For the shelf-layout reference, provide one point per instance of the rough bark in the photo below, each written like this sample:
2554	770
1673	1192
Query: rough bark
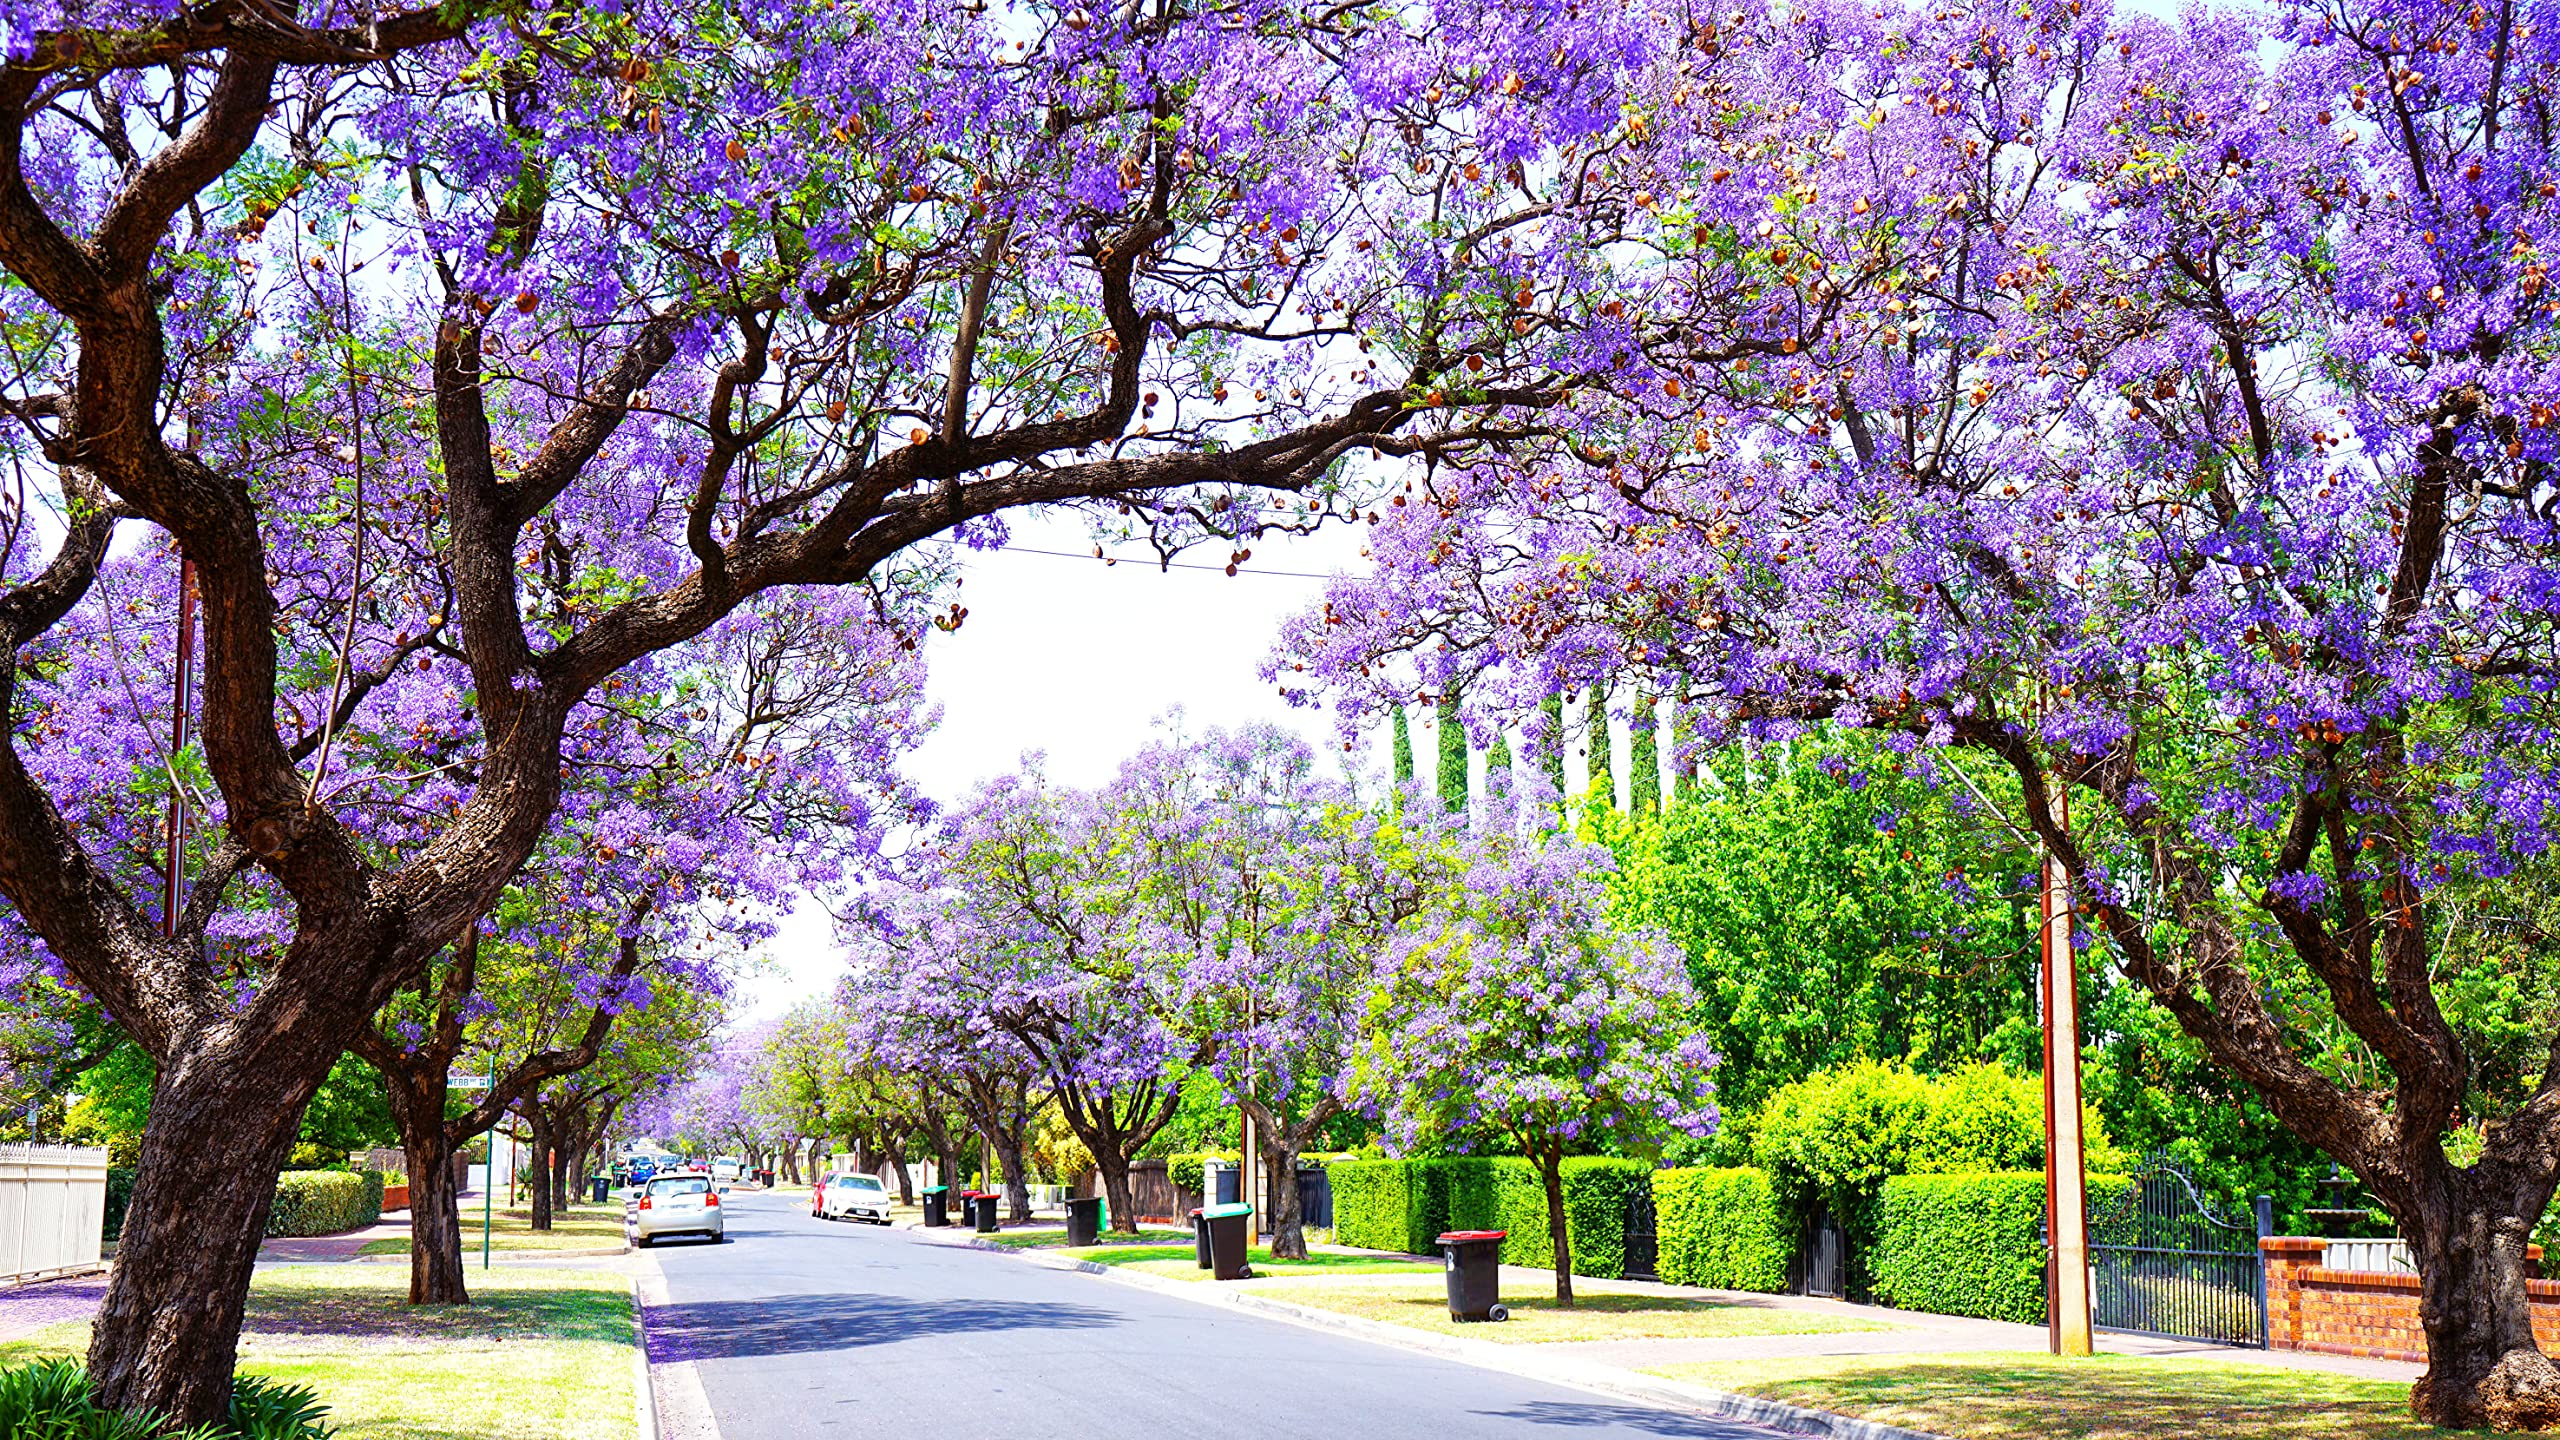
540	1164
2484	1370
1017	1185
435	1219
1118	1198
906	1180
1551	1171
168	1331
1282	1145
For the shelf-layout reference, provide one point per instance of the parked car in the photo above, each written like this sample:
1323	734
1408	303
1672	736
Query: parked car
727	1167
851	1195
676	1205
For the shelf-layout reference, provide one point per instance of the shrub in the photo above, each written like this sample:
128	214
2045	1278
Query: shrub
119	1198
1190	1171
1404	1205
50	1400
1723	1229
324	1202
1967	1244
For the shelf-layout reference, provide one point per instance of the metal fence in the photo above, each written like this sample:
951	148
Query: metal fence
2165	1260
53	1211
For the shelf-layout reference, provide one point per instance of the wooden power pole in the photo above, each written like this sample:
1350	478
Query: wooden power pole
2066	1191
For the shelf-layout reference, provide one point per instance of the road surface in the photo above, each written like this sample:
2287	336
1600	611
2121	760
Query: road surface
808	1327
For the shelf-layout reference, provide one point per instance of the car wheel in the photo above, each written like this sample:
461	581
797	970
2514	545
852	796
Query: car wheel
640	1241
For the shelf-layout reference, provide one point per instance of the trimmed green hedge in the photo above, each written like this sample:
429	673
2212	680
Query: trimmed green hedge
1723	1229
1404	1205
1967	1244
324	1202
119	1198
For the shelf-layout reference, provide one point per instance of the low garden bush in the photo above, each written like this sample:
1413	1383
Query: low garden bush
324	1202
1190	1171
1722	1228
1597	1191
1967	1244
50	1400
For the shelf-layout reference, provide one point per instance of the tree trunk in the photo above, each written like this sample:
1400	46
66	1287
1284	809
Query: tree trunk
906	1180
435	1221
1551	1169
1288	1217
1117	1197
541	1178
2484	1371
168	1334
1017	1186
435	1190
790	1163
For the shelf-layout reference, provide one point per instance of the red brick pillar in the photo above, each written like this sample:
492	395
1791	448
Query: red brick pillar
2285	1258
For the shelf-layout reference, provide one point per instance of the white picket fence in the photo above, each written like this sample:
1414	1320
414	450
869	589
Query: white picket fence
53	1211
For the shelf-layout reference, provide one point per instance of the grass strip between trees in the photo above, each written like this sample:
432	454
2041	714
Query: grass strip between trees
2042	1397
581	1227
538	1355
1597	1315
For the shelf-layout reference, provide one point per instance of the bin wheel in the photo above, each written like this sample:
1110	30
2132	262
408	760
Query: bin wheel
1497	1313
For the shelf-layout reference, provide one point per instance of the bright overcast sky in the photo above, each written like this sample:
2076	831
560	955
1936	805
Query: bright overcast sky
1067	656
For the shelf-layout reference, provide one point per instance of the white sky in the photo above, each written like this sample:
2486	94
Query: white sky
1065	655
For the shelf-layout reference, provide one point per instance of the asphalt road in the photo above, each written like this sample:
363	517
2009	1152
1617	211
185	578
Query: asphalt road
808	1327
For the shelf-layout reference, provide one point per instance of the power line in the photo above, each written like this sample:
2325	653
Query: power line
1176	564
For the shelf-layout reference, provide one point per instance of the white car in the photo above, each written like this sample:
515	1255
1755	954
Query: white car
851	1196
727	1167
676	1205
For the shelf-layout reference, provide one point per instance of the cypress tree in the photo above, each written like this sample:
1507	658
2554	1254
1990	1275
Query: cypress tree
1450	771
1400	760
1684	774
1499	757
1551	746
1595	725
1644	761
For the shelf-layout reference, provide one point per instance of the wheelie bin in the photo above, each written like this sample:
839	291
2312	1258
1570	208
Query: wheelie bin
1084	1220
1225	1224
987	1213
937	1204
1475	1274
1199	1239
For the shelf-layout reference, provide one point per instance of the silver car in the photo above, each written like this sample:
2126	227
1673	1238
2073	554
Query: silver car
676	1205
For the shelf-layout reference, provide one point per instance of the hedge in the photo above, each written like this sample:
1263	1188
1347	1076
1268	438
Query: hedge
119	1198
324	1202
1404	1205
1723	1229
1967	1244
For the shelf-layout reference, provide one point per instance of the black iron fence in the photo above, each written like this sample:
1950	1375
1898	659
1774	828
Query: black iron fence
2166	1260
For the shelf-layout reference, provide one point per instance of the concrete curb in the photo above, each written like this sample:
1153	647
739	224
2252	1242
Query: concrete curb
1488	1355
645	1398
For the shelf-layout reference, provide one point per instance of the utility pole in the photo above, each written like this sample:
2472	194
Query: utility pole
2066	1193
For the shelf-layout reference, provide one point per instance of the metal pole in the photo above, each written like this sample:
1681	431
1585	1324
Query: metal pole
489	1171
175	832
2066	1180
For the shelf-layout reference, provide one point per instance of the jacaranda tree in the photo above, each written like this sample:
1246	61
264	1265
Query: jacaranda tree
2161	410
462	358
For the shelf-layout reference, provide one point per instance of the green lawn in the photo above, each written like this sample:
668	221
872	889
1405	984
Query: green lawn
538	1355
1597	1315
1183	1265
1057	1240
2110	1397
580	1227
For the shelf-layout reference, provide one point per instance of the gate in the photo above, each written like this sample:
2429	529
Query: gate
1639	1247
1821	1262
2164	1260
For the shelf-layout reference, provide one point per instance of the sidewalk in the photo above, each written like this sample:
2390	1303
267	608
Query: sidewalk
1619	1367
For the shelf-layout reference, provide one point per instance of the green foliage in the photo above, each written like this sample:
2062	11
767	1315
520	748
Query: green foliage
50	1400
350	1112
1644	761
1405	1205
1833	908
1189	1170
1400	756
1449	769
1597	1191
119	1197
324	1202
1721	1228
1966	1244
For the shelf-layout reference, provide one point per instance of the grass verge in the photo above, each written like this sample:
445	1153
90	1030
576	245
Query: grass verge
537	1355
580	1227
2109	1397
1597	1315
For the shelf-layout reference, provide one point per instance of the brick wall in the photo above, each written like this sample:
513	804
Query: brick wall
2373	1314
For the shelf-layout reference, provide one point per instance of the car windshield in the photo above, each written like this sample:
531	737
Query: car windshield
693	1185
857	1182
